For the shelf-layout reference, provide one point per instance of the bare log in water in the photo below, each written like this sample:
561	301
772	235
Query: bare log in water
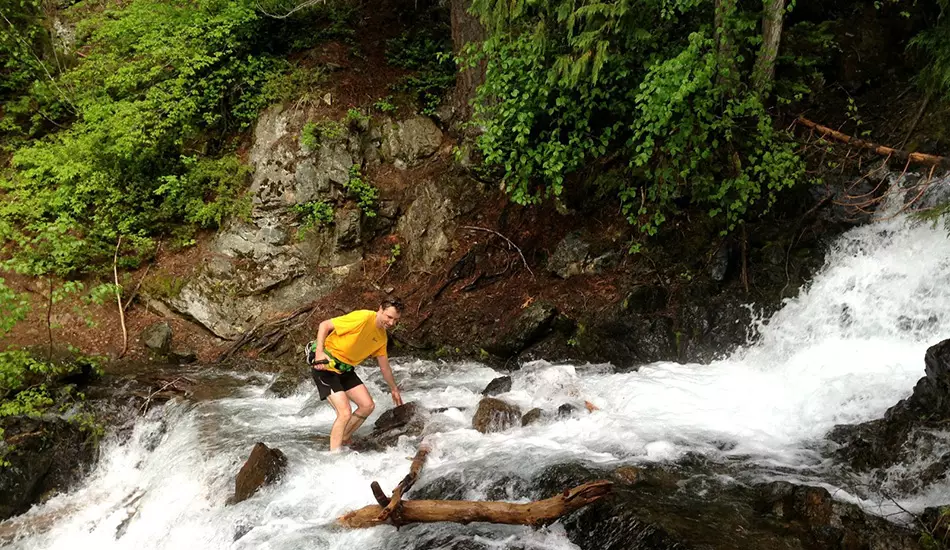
395	511
464	511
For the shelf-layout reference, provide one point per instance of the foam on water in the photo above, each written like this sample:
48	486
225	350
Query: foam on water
850	346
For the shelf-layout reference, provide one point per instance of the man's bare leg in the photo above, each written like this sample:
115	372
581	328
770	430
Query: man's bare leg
341	405
364	408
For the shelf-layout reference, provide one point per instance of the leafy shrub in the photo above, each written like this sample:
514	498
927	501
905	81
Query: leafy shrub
313	214
427	51
314	133
366	195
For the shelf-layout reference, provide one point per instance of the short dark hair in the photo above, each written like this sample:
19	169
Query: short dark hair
392	302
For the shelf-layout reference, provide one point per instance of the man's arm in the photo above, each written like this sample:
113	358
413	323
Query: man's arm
388	377
326	327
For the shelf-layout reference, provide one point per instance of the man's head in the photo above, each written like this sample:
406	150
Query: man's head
388	314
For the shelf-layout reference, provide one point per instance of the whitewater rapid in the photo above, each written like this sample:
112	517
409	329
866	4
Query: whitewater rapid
847	348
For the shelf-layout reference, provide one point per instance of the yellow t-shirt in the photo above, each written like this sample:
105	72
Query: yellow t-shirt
355	337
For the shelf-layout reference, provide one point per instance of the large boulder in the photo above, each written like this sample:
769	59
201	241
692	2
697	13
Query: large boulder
409	141
157	338
263	467
431	219
45	454
495	415
909	429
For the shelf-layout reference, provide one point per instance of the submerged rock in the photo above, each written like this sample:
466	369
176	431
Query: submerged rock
494	415
263	467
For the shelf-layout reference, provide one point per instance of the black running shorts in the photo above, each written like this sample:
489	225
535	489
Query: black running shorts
330	382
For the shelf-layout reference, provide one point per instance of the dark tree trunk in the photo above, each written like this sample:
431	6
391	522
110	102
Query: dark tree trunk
764	73
466	29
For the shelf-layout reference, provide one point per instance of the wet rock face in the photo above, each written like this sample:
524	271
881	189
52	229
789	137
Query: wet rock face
263	467
651	509
406	142
45	454
494	415
533	324
907	430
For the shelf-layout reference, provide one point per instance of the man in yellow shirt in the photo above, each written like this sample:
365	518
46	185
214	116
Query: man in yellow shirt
342	343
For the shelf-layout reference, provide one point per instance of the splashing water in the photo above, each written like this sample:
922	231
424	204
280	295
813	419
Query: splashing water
850	346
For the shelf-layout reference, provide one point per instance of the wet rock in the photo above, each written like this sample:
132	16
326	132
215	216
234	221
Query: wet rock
288	380
406	420
534	323
651	508
567	410
533	416
263	467
645	299
495	415
570	256
182	357
721	262
45	455
409	140
157	338
907	429
498	386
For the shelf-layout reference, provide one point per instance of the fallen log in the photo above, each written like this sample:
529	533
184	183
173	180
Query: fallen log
917	158
463	511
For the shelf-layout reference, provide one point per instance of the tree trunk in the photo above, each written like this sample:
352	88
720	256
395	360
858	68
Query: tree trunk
763	75
461	511
466	29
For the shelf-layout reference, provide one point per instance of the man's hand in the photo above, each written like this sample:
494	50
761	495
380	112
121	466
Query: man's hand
397	397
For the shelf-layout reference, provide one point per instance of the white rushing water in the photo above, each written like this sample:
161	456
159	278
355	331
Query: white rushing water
844	351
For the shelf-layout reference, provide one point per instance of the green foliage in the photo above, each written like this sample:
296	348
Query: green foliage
427	51
366	194
137	150
646	84
314	133
13	307
394	253
313	214
356	118
385	105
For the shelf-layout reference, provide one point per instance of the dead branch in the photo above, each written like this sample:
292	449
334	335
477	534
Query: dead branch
159	394
523	260
118	297
462	511
407	482
398	512
918	158
266	336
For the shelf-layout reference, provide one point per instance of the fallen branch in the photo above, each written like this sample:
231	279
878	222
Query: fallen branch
267	335
407	482
118	297
523	260
918	158
462	511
